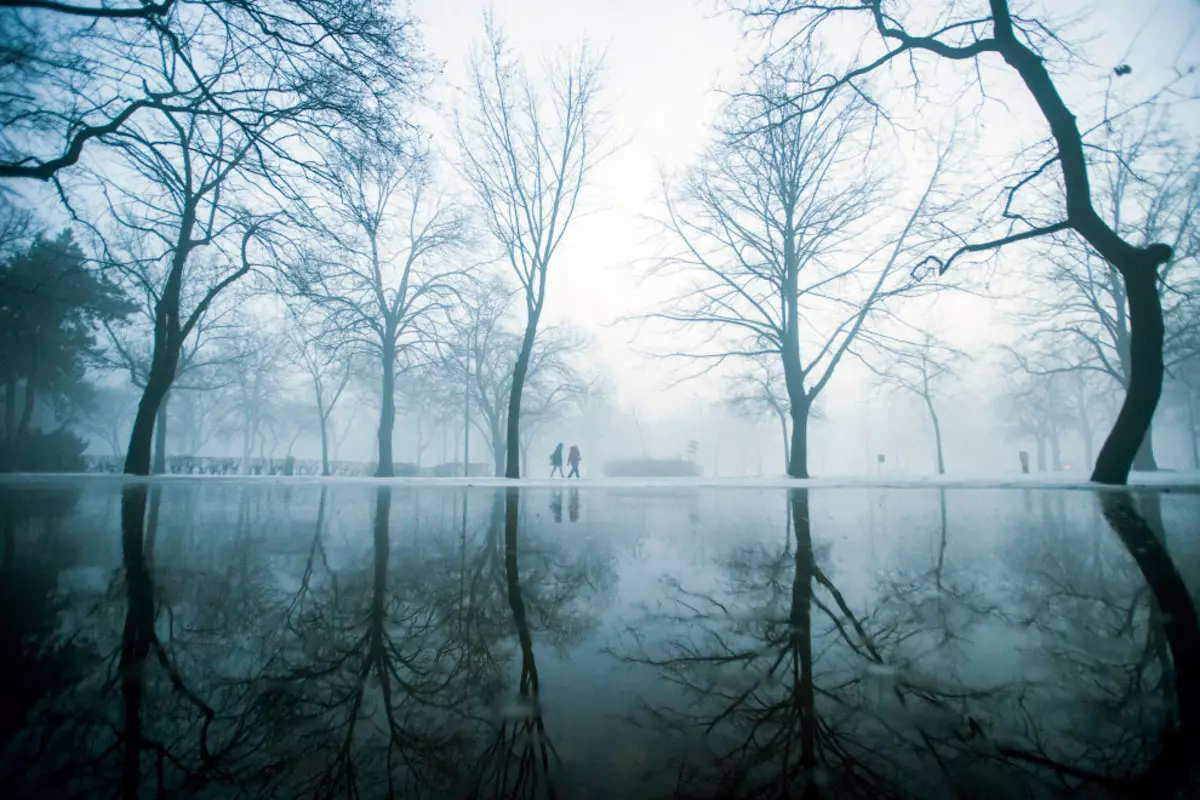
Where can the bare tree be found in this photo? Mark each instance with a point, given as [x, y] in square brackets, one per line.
[483, 356]
[957, 33]
[383, 273]
[761, 391]
[527, 159]
[76, 73]
[772, 233]
[1087, 307]
[921, 369]
[328, 369]
[202, 352]
[1036, 406]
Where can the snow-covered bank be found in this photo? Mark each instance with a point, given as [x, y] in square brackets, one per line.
[1165, 479]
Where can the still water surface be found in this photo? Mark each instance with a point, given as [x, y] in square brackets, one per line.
[261, 639]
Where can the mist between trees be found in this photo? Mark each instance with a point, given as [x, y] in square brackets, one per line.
[244, 231]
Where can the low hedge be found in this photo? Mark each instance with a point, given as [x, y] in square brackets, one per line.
[652, 468]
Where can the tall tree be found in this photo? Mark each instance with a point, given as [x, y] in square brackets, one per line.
[385, 269]
[921, 368]
[1152, 191]
[328, 370]
[527, 159]
[779, 247]
[51, 306]
[760, 391]
[483, 355]
[957, 32]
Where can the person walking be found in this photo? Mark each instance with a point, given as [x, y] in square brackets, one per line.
[556, 461]
[573, 458]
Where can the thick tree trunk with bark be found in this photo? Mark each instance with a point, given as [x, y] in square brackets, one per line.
[798, 459]
[520, 371]
[1138, 266]
[27, 410]
[387, 413]
[1132, 427]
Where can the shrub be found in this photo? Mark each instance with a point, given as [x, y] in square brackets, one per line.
[652, 468]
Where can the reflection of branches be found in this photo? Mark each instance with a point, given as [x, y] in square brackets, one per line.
[785, 701]
[519, 760]
[365, 691]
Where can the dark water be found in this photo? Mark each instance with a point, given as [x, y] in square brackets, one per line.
[254, 639]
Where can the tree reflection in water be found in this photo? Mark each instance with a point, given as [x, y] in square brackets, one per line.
[796, 695]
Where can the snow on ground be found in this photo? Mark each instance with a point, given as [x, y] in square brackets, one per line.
[1166, 479]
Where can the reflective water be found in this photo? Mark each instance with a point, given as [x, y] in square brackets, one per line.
[217, 638]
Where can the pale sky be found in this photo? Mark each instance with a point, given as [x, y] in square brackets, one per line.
[665, 61]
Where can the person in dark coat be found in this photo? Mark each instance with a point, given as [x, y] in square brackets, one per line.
[556, 461]
[573, 458]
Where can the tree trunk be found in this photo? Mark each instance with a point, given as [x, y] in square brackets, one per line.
[787, 443]
[1144, 460]
[798, 460]
[1192, 427]
[387, 413]
[324, 446]
[1132, 426]
[520, 371]
[27, 410]
[1055, 452]
[498, 451]
[160, 436]
[1138, 266]
[10, 408]
[1041, 454]
[937, 435]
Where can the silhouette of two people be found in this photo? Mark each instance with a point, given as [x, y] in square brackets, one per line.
[573, 459]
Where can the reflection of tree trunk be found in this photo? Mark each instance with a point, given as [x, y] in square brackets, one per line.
[529, 688]
[800, 621]
[152, 521]
[138, 633]
[1182, 631]
[941, 559]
